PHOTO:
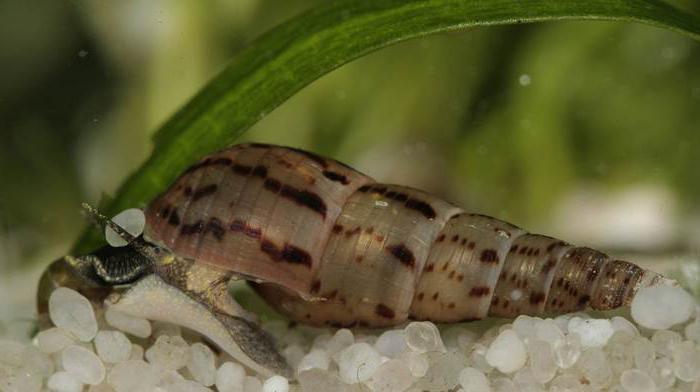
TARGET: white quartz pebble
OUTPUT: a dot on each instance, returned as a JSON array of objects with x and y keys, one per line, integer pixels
[
  {"x": 72, "y": 312},
  {"x": 230, "y": 377},
  {"x": 321, "y": 341},
  {"x": 423, "y": 336},
  {"x": 567, "y": 351},
  {"x": 187, "y": 386},
  {"x": 548, "y": 331},
  {"x": 525, "y": 381},
  {"x": 417, "y": 363},
  {"x": 635, "y": 380},
  {"x": 686, "y": 361},
  {"x": 478, "y": 357},
  {"x": 37, "y": 362},
  {"x": 391, "y": 343},
  {"x": 64, "y": 382},
  {"x": 83, "y": 364},
  {"x": 593, "y": 332},
  {"x": 662, "y": 373},
  {"x": 664, "y": 341},
  {"x": 342, "y": 338},
  {"x": 133, "y": 376},
  {"x": 276, "y": 384},
  {"x": 566, "y": 382},
  {"x": 524, "y": 326},
  {"x": 643, "y": 353},
  {"x": 20, "y": 379},
  {"x": 662, "y": 307},
  {"x": 202, "y": 364},
  {"x": 168, "y": 352},
  {"x": 542, "y": 360},
  {"x": 11, "y": 352},
  {"x": 358, "y": 363},
  {"x": 572, "y": 352},
  {"x": 293, "y": 354},
  {"x": 504, "y": 384},
  {"x": 315, "y": 359},
  {"x": 392, "y": 376},
  {"x": 317, "y": 380},
  {"x": 474, "y": 380},
  {"x": 624, "y": 325},
  {"x": 595, "y": 367},
  {"x": 129, "y": 324},
  {"x": 692, "y": 331},
  {"x": 53, "y": 340},
  {"x": 619, "y": 352},
  {"x": 132, "y": 220},
  {"x": 112, "y": 346},
  {"x": 169, "y": 378},
  {"x": 507, "y": 352},
  {"x": 443, "y": 371}
]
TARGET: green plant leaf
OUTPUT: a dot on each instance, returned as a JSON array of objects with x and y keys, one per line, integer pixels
[{"x": 291, "y": 56}]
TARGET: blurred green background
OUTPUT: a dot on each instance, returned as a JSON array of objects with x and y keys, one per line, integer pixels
[{"x": 585, "y": 130}]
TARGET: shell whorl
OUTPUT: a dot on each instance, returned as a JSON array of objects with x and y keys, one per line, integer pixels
[{"x": 332, "y": 247}]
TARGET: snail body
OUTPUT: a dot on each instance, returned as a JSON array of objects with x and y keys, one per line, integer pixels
[{"x": 327, "y": 245}]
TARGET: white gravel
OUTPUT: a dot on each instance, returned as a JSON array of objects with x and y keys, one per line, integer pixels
[{"x": 567, "y": 353}]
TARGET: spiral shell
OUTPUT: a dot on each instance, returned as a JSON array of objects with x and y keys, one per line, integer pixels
[{"x": 329, "y": 246}]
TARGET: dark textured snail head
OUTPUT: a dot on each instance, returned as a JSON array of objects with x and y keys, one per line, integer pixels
[{"x": 95, "y": 274}]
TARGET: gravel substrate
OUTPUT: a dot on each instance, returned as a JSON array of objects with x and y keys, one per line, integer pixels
[{"x": 93, "y": 350}]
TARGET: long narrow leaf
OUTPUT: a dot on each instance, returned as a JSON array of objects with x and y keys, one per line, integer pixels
[{"x": 296, "y": 53}]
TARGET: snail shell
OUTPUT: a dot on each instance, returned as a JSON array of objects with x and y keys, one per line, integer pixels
[{"x": 332, "y": 247}]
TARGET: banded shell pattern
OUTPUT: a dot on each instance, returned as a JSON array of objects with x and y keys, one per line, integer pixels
[{"x": 326, "y": 245}]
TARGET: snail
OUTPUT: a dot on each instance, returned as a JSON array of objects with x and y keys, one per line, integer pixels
[{"x": 327, "y": 246}]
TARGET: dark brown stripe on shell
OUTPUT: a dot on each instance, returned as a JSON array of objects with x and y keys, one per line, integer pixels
[
  {"x": 489, "y": 256},
  {"x": 272, "y": 185},
  {"x": 288, "y": 253},
  {"x": 216, "y": 228},
  {"x": 305, "y": 198},
  {"x": 352, "y": 232},
  {"x": 384, "y": 311},
  {"x": 242, "y": 227},
  {"x": 584, "y": 300},
  {"x": 398, "y": 196},
  {"x": 174, "y": 218},
  {"x": 422, "y": 207},
  {"x": 403, "y": 254},
  {"x": 260, "y": 171},
  {"x": 479, "y": 291},
  {"x": 337, "y": 177},
  {"x": 243, "y": 170},
  {"x": 204, "y": 191},
  {"x": 537, "y": 298},
  {"x": 295, "y": 255},
  {"x": 192, "y": 228},
  {"x": 213, "y": 225}
]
